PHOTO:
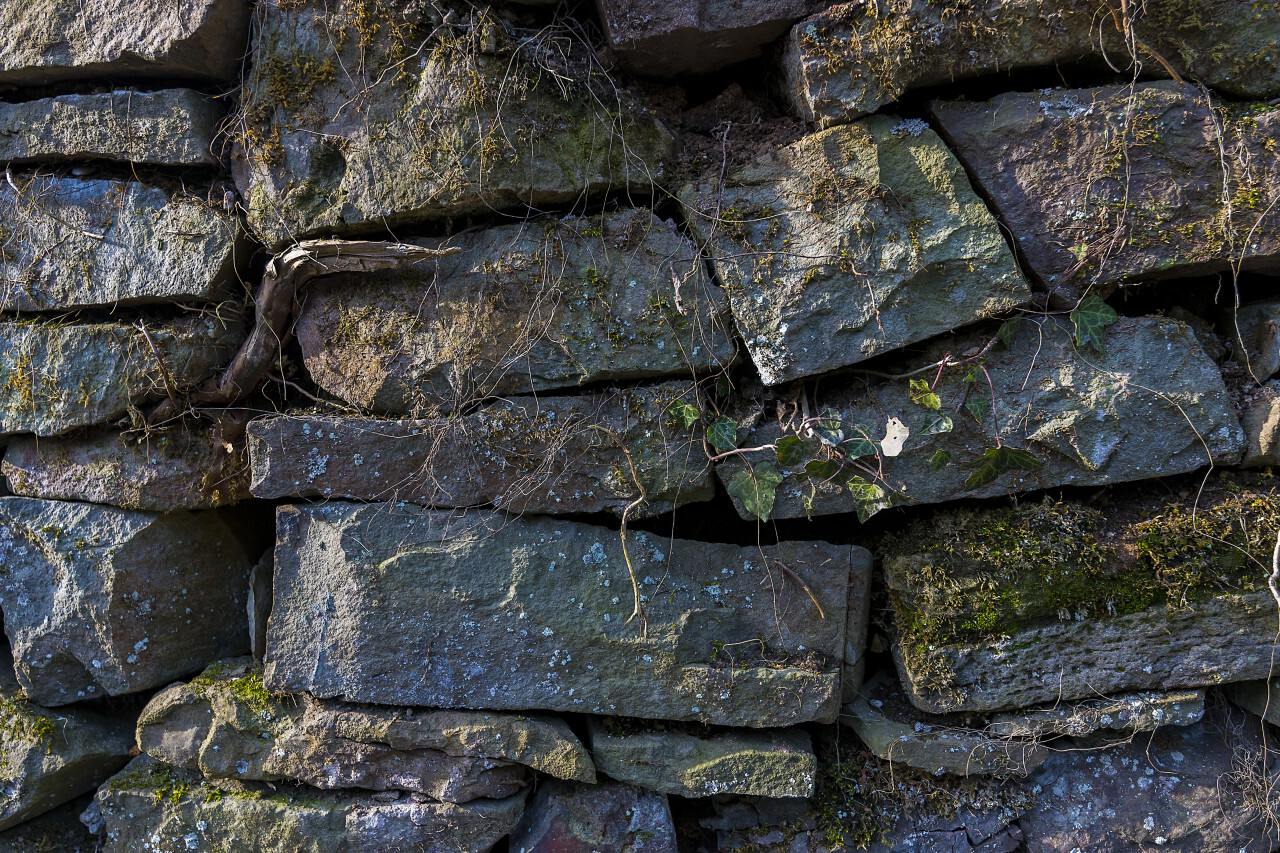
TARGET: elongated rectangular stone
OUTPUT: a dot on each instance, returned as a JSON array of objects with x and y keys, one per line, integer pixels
[
  {"x": 400, "y": 605},
  {"x": 598, "y": 452}
]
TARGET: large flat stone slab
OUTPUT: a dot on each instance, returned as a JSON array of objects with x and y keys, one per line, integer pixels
[
  {"x": 71, "y": 243},
  {"x": 1127, "y": 713},
  {"x": 850, "y": 243},
  {"x": 1103, "y": 185},
  {"x": 530, "y": 307},
  {"x": 55, "y": 377},
  {"x": 1151, "y": 405},
  {"x": 170, "y": 127},
  {"x": 101, "y": 601},
  {"x": 400, "y": 605},
  {"x": 155, "y": 807},
  {"x": 356, "y": 119},
  {"x": 55, "y": 40},
  {"x": 225, "y": 725},
  {"x": 590, "y": 453}
]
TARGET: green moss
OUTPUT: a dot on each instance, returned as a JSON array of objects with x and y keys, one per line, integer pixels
[
  {"x": 167, "y": 784},
  {"x": 22, "y": 721}
]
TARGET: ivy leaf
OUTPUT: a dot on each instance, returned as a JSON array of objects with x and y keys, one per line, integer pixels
[
  {"x": 996, "y": 461},
  {"x": 1008, "y": 331},
  {"x": 936, "y": 425},
  {"x": 722, "y": 386},
  {"x": 827, "y": 427},
  {"x": 756, "y": 488},
  {"x": 791, "y": 450},
  {"x": 685, "y": 414},
  {"x": 979, "y": 407},
  {"x": 723, "y": 434},
  {"x": 828, "y": 471},
  {"x": 867, "y": 498},
  {"x": 922, "y": 395},
  {"x": 941, "y": 459},
  {"x": 1091, "y": 319},
  {"x": 861, "y": 444}
]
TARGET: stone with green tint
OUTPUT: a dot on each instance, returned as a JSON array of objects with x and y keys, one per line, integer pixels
[
  {"x": 361, "y": 119},
  {"x": 687, "y": 763},
  {"x": 226, "y": 725},
  {"x": 400, "y": 605},
  {"x": 158, "y": 808},
  {"x": 850, "y": 243},
  {"x": 1125, "y": 712}
]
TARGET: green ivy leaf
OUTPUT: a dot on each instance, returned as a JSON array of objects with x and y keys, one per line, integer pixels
[
  {"x": 867, "y": 498},
  {"x": 936, "y": 425},
  {"x": 756, "y": 488},
  {"x": 791, "y": 450},
  {"x": 922, "y": 395},
  {"x": 828, "y": 471},
  {"x": 941, "y": 459},
  {"x": 723, "y": 387},
  {"x": 860, "y": 445},
  {"x": 996, "y": 461},
  {"x": 1091, "y": 319},
  {"x": 685, "y": 414},
  {"x": 1008, "y": 331},
  {"x": 979, "y": 407},
  {"x": 827, "y": 427},
  {"x": 723, "y": 434}
]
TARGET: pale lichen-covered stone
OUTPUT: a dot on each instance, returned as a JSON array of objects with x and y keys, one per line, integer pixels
[
  {"x": 226, "y": 725},
  {"x": 100, "y": 601},
  {"x": 72, "y": 243},
  {"x": 590, "y": 453},
  {"x": 1126, "y": 713},
  {"x": 400, "y": 605},
  {"x": 531, "y": 307},
  {"x": 364, "y": 119},
  {"x": 850, "y": 243},
  {"x": 1260, "y": 417},
  {"x": 608, "y": 818},
  {"x": 1255, "y": 332}
]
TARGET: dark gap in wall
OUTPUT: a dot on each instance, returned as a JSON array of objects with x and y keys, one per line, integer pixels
[
  {"x": 686, "y": 814},
  {"x": 1210, "y": 297},
  {"x": 13, "y": 94}
]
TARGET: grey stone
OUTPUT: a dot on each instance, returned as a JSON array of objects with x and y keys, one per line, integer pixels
[
  {"x": 530, "y": 307},
  {"x": 1255, "y": 330},
  {"x": 50, "y": 757},
  {"x": 1127, "y": 712},
  {"x": 226, "y": 725},
  {"x": 259, "y": 603},
  {"x": 669, "y": 760},
  {"x": 101, "y": 601},
  {"x": 591, "y": 453},
  {"x": 1260, "y": 417},
  {"x": 154, "y": 807},
  {"x": 688, "y": 37},
  {"x": 1261, "y": 697},
  {"x": 55, "y": 40},
  {"x": 171, "y": 127},
  {"x": 1104, "y": 185},
  {"x": 186, "y": 466},
  {"x": 55, "y": 377},
  {"x": 359, "y": 120},
  {"x": 849, "y": 243},
  {"x": 608, "y": 818},
  {"x": 855, "y": 634},
  {"x": 58, "y": 829},
  {"x": 71, "y": 243},
  {"x": 1152, "y": 405},
  {"x": 400, "y": 605}
]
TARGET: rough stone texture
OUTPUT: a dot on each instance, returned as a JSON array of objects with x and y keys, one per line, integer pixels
[
  {"x": 689, "y": 37},
  {"x": 1103, "y": 185},
  {"x": 160, "y": 809},
  {"x": 258, "y": 607},
  {"x": 399, "y": 605},
  {"x": 171, "y": 127},
  {"x": 57, "y": 830},
  {"x": 1260, "y": 418},
  {"x": 1129, "y": 712},
  {"x": 1258, "y": 697},
  {"x": 855, "y": 633},
  {"x": 610, "y": 818},
  {"x": 530, "y": 307},
  {"x": 1255, "y": 330},
  {"x": 227, "y": 726},
  {"x": 71, "y": 243},
  {"x": 772, "y": 763},
  {"x": 185, "y": 467},
  {"x": 407, "y": 121},
  {"x": 849, "y": 243},
  {"x": 540, "y": 455},
  {"x": 100, "y": 601},
  {"x": 1153, "y": 405},
  {"x": 50, "y": 757},
  {"x": 56, "y": 377},
  {"x": 852, "y": 58},
  {"x": 54, "y": 40}
]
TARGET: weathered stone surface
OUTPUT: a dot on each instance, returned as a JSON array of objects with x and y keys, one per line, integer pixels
[
  {"x": 227, "y": 726},
  {"x": 1152, "y": 405},
  {"x": 1103, "y": 185},
  {"x": 187, "y": 466},
  {"x": 530, "y": 307},
  {"x": 855, "y": 633},
  {"x": 689, "y": 37},
  {"x": 852, "y": 58},
  {"x": 1255, "y": 330},
  {"x": 1258, "y": 697},
  {"x": 400, "y": 605},
  {"x": 71, "y": 243},
  {"x": 58, "y": 830},
  {"x": 1128, "y": 712},
  {"x": 56, "y": 377},
  {"x": 100, "y": 601},
  {"x": 896, "y": 732},
  {"x": 56, "y": 40},
  {"x": 258, "y": 606},
  {"x": 522, "y": 454},
  {"x": 772, "y": 763},
  {"x": 407, "y": 121},
  {"x": 154, "y": 807},
  {"x": 1054, "y": 602},
  {"x": 849, "y": 243},
  {"x": 609, "y": 818},
  {"x": 1260, "y": 418},
  {"x": 50, "y": 757},
  {"x": 171, "y": 127}
]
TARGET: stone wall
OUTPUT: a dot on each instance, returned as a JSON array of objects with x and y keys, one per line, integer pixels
[{"x": 530, "y": 426}]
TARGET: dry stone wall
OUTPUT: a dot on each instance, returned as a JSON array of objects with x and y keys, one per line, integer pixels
[{"x": 470, "y": 425}]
